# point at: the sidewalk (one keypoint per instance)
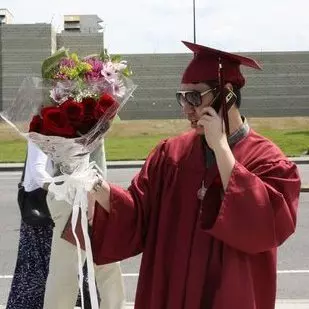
(280, 304)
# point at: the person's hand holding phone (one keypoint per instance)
(213, 127)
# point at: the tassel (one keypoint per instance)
(222, 99)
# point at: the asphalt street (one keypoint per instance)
(293, 263)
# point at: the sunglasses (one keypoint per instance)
(192, 97)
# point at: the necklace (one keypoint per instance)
(202, 191)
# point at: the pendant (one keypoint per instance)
(201, 192)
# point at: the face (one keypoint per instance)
(194, 113)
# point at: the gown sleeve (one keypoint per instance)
(121, 233)
(259, 208)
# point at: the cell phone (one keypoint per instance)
(230, 99)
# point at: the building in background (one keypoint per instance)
(6, 16)
(22, 48)
(82, 34)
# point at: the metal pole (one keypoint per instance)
(1, 68)
(194, 26)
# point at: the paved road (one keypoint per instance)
(293, 277)
(304, 173)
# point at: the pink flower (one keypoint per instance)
(60, 76)
(119, 89)
(95, 73)
(66, 62)
(93, 76)
(97, 65)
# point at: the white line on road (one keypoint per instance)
(297, 271)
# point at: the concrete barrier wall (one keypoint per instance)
(23, 47)
(280, 90)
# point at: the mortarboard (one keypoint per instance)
(209, 64)
(205, 65)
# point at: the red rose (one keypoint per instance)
(106, 107)
(74, 112)
(56, 123)
(89, 120)
(89, 105)
(35, 124)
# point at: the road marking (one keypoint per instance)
(130, 275)
(297, 271)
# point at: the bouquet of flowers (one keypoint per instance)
(66, 112)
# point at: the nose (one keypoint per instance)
(187, 109)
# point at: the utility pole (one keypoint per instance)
(194, 25)
(1, 68)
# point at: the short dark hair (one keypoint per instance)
(236, 90)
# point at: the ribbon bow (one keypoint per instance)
(73, 189)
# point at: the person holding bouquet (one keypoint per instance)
(62, 284)
(66, 114)
(86, 95)
(32, 265)
(36, 232)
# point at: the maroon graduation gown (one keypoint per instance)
(218, 256)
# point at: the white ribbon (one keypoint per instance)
(73, 189)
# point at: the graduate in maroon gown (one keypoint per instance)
(209, 208)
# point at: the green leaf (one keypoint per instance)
(116, 58)
(51, 62)
(74, 57)
(127, 72)
(104, 55)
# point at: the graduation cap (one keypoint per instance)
(205, 65)
(209, 64)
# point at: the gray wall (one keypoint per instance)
(90, 23)
(23, 49)
(81, 43)
(281, 89)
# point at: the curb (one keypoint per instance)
(17, 167)
(13, 167)
(292, 304)
(305, 188)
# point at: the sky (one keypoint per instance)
(158, 26)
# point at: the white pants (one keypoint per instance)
(62, 282)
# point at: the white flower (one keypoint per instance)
(58, 95)
(120, 66)
(109, 72)
(62, 91)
